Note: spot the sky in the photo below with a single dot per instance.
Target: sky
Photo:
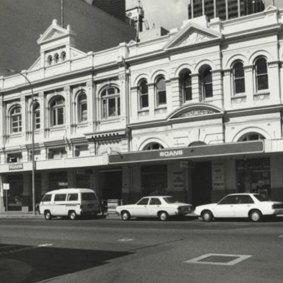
(166, 13)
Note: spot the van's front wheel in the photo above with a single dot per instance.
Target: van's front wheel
(47, 215)
(72, 215)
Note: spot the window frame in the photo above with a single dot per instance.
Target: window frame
(206, 82)
(160, 91)
(82, 102)
(16, 119)
(262, 75)
(106, 98)
(237, 79)
(56, 105)
(185, 75)
(143, 95)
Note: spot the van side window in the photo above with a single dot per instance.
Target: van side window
(72, 197)
(60, 197)
(46, 198)
(88, 196)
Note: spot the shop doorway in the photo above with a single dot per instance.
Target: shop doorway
(201, 183)
(111, 184)
(15, 194)
(154, 180)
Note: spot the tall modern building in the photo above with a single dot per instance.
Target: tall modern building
(224, 9)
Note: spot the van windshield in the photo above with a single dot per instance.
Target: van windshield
(88, 196)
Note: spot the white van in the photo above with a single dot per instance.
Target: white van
(69, 202)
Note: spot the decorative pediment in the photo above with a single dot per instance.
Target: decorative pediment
(191, 34)
(195, 110)
(55, 32)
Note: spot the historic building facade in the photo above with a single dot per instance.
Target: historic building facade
(196, 113)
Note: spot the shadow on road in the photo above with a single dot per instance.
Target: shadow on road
(27, 264)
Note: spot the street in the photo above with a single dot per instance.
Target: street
(110, 250)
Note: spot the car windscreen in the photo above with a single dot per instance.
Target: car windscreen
(88, 196)
(46, 197)
(170, 199)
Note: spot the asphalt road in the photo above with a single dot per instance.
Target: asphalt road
(104, 250)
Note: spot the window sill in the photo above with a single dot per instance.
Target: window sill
(110, 120)
(261, 96)
(57, 128)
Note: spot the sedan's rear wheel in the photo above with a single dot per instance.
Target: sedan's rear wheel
(163, 215)
(255, 215)
(206, 216)
(125, 215)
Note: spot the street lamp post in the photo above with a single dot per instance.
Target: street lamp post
(32, 138)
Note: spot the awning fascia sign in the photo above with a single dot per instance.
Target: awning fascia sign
(227, 149)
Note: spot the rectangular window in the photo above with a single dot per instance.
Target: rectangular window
(60, 197)
(262, 82)
(161, 98)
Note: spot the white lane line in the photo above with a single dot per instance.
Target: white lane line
(125, 240)
(281, 236)
(234, 259)
(45, 245)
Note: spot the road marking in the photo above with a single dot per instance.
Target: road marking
(281, 236)
(125, 240)
(219, 259)
(45, 245)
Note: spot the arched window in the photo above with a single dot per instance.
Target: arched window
(261, 74)
(252, 137)
(49, 59)
(186, 85)
(16, 119)
(160, 89)
(205, 80)
(110, 102)
(57, 108)
(56, 57)
(82, 106)
(63, 55)
(238, 77)
(153, 146)
(143, 94)
(36, 113)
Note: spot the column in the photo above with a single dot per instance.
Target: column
(195, 88)
(2, 194)
(27, 192)
(274, 81)
(24, 116)
(134, 102)
(151, 100)
(71, 178)
(176, 95)
(68, 109)
(227, 95)
(91, 105)
(217, 88)
(249, 80)
(2, 125)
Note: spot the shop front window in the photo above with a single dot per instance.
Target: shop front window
(253, 176)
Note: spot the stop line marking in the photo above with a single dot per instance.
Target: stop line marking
(6, 250)
(125, 240)
(281, 236)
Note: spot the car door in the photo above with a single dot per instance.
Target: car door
(154, 207)
(225, 207)
(140, 209)
(244, 206)
(59, 205)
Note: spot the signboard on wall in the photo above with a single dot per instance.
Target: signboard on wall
(218, 175)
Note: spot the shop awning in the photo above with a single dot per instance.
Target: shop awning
(194, 152)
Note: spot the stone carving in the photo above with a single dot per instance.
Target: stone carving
(196, 112)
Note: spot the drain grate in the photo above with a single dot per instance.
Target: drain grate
(219, 259)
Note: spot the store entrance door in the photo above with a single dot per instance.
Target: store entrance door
(111, 184)
(201, 183)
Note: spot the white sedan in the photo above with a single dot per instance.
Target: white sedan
(240, 205)
(154, 206)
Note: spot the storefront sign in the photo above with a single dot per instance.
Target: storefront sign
(170, 153)
(16, 166)
(218, 175)
(192, 152)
